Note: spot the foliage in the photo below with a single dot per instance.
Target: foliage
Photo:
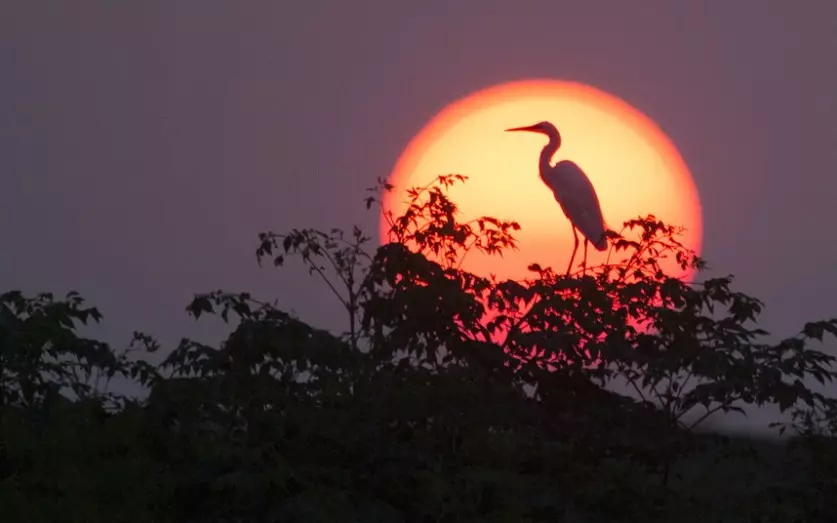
(450, 397)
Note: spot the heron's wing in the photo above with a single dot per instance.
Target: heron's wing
(578, 199)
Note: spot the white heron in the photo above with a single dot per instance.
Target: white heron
(573, 192)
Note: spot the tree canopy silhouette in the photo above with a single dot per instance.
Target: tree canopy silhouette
(449, 397)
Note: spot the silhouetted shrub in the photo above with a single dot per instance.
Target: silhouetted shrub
(450, 397)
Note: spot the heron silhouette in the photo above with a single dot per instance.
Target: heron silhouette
(573, 192)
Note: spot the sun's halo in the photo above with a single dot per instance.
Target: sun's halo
(634, 167)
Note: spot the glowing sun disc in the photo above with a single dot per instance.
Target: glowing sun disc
(633, 165)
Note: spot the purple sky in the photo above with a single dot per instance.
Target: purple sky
(143, 145)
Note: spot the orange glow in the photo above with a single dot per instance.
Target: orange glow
(634, 167)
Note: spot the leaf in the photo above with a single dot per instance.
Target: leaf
(200, 305)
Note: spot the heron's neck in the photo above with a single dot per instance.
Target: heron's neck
(545, 162)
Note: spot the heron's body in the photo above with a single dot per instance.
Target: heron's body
(572, 190)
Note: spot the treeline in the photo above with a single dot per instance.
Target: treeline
(450, 397)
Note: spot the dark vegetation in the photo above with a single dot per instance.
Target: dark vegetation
(424, 410)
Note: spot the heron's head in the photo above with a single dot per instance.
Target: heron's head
(541, 127)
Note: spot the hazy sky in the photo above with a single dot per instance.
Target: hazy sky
(143, 145)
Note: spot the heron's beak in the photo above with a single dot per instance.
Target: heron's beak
(530, 128)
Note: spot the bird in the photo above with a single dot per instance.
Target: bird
(572, 190)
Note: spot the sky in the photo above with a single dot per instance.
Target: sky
(143, 145)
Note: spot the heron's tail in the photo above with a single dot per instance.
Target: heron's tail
(601, 245)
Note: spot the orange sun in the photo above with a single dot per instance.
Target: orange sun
(634, 167)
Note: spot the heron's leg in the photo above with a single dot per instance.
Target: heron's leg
(584, 263)
(575, 249)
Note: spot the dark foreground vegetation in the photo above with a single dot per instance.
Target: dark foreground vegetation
(450, 398)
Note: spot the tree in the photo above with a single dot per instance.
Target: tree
(449, 397)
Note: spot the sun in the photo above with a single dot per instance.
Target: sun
(634, 167)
